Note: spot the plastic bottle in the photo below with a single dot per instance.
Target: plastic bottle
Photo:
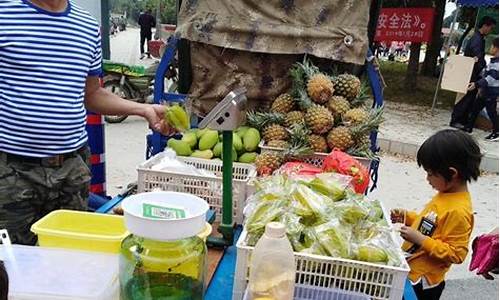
(272, 270)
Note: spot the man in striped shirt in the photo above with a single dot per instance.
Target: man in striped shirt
(50, 62)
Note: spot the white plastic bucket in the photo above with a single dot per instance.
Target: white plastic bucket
(163, 229)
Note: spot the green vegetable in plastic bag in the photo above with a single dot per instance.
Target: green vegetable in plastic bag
(293, 228)
(265, 212)
(334, 238)
(318, 204)
(351, 211)
(372, 254)
(328, 186)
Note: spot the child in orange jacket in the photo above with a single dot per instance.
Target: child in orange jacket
(438, 236)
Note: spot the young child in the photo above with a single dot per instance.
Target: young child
(488, 94)
(438, 236)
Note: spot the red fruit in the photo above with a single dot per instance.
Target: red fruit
(298, 168)
(342, 163)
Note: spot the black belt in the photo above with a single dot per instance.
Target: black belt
(51, 161)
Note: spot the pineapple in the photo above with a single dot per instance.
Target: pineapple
(319, 119)
(267, 162)
(274, 132)
(260, 120)
(355, 116)
(283, 104)
(269, 124)
(340, 138)
(294, 117)
(338, 105)
(278, 144)
(346, 138)
(347, 86)
(318, 143)
(320, 88)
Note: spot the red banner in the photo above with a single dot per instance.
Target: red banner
(405, 25)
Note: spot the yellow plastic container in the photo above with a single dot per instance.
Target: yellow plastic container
(81, 230)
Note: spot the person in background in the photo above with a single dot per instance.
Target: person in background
(488, 94)
(475, 49)
(147, 22)
(49, 78)
(438, 236)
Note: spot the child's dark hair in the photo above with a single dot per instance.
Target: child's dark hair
(494, 43)
(488, 21)
(451, 149)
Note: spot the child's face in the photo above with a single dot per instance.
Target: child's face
(437, 182)
(494, 50)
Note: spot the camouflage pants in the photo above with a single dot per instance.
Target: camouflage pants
(29, 190)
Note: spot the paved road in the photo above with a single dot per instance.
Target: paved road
(401, 182)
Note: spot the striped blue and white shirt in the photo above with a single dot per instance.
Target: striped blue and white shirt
(45, 58)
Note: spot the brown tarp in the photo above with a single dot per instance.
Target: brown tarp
(253, 43)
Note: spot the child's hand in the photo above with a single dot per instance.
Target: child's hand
(412, 235)
(398, 215)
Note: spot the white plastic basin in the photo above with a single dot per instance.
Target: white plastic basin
(138, 222)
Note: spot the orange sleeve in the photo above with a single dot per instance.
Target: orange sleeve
(452, 245)
(410, 217)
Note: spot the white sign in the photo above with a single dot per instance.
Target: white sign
(92, 6)
(457, 72)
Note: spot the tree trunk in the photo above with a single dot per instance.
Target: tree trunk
(434, 47)
(462, 38)
(412, 71)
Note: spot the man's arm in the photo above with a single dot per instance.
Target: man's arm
(102, 101)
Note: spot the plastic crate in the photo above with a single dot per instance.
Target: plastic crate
(306, 292)
(379, 282)
(317, 158)
(208, 188)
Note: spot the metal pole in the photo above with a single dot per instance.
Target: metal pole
(106, 53)
(448, 42)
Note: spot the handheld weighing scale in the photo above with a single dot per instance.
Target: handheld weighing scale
(226, 116)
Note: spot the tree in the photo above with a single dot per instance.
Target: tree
(413, 64)
(436, 43)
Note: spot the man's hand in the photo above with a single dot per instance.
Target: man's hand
(412, 235)
(154, 115)
(471, 86)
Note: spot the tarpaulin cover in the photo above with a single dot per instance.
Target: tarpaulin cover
(254, 43)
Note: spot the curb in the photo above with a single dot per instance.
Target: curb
(489, 163)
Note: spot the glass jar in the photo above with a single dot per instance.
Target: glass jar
(166, 270)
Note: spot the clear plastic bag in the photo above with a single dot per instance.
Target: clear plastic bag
(335, 238)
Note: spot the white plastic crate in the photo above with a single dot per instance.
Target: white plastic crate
(307, 292)
(315, 159)
(380, 282)
(208, 188)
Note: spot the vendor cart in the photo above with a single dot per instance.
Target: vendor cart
(205, 51)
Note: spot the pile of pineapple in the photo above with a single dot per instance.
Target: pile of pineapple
(321, 113)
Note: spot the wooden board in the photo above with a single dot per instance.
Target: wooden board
(457, 72)
(214, 257)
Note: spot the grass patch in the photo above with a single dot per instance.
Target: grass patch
(394, 76)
